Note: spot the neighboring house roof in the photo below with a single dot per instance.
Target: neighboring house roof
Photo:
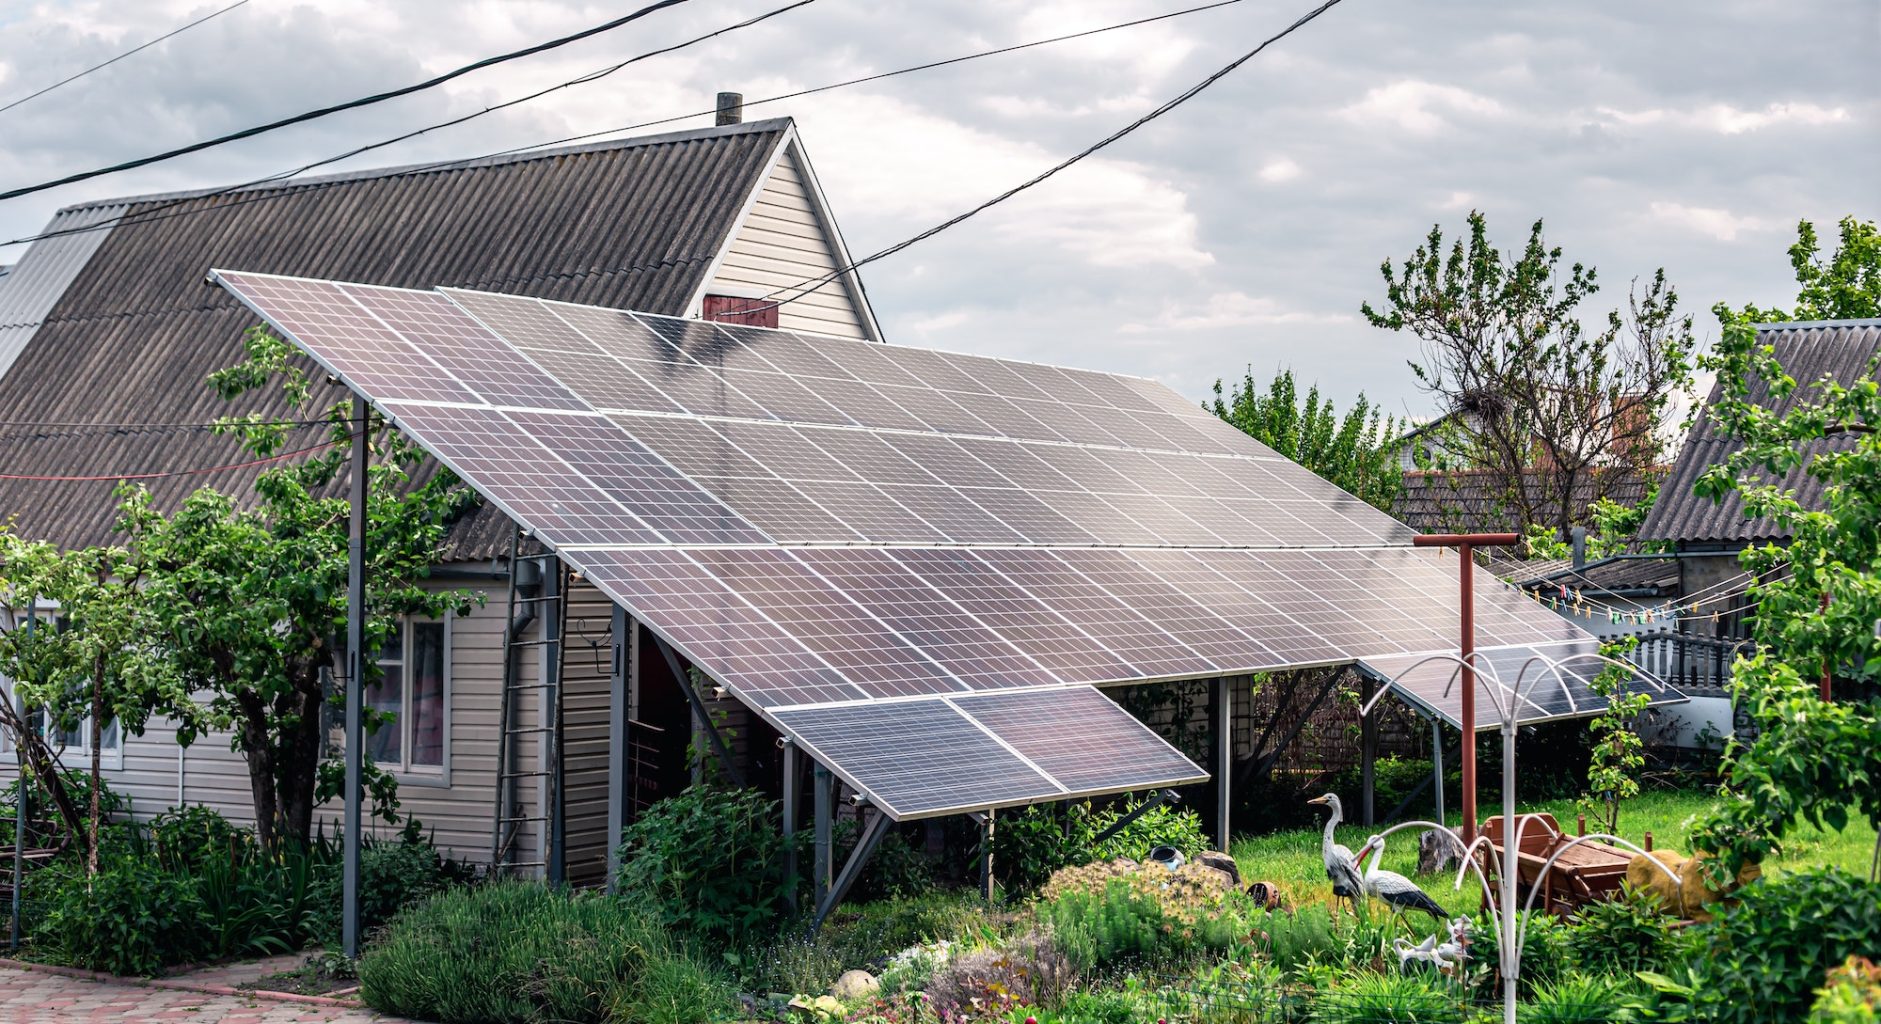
(1474, 500)
(116, 325)
(1808, 352)
(1610, 577)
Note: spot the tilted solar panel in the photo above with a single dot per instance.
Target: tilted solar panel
(914, 562)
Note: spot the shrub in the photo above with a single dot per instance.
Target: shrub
(710, 862)
(1367, 997)
(1108, 913)
(393, 874)
(512, 952)
(133, 917)
(868, 934)
(1031, 844)
(185, 838)
(1227, 993)
(913, 968)
(1577, 999)
(1292, 939)
(1852, 996)
(989, 983)
(795, 964)
(1770, 952)
(258, 902)
(1630, 932)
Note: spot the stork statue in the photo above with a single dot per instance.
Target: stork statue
(1341, 867)
(1395, 889)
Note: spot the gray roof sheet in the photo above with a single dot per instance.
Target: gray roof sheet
(1809, 352)
(1475, 500)
(128, 331)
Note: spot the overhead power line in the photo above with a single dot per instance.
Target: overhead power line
(364, 101)
(168, 210)
(134, 50)
(808, 287)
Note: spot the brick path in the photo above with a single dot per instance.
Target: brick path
(33, 997)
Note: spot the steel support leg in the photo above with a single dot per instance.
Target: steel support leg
(820, 796)
(1224, 761)
(791, 772)
(986, 856)
(619, 746)
(1436, 764)
(1368, 756)
(866, 843)
(355, 681)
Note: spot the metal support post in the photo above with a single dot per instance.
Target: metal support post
(1368, 757)
(791, 773)
(986, 856)
(619, 746)
(820, 796)
(355, 680)
(20, 813)
(555, 859)
(1224, 761)
(1436, 764)
(866, 843)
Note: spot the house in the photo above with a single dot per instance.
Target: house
(107, 332)
(1705, 537)
(1478, 500)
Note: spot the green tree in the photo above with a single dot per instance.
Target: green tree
(86, 662)
(1847, 287)
(1818, 596)
(1552, 411)
(1356, 451)
(249, 598)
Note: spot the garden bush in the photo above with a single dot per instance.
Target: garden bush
(1770, 953)
(1031, 844)
(1290, 939)
(1852, 995)
(132, 918)
(1628, 933)
(186, 837)
(1577, 999)
(519, 952)
(1108, 913)
(988, 984)
(258, 902)
(709, 861)
(393, 874)
(865, 936)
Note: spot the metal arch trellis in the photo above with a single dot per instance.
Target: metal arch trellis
(1511, 924)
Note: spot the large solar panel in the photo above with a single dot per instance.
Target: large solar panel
(915, 563)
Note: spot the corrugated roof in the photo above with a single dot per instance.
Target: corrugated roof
(132, 332)
(1808, 351)
(45, 271)
(1476, 500)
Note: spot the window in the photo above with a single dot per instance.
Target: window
(73, 746)
(413, 689)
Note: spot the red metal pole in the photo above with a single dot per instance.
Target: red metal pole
(1466, 649)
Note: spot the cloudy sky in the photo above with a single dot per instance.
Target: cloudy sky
(1242, 230)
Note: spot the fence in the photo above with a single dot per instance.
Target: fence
(1700, 666)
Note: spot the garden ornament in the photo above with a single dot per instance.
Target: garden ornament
(1341, 868)
(1511, 922)
(1400, 892)
(1167, 856)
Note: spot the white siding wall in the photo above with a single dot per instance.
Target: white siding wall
(781, 243)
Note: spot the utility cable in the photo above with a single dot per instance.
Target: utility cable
(164, 211)
(134, 50)
(1181, 98)
(364, 101)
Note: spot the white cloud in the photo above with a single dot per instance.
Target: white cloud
(1279, 171)
(1230, 309)
(1458, 200)
(1725, 119)
(1421, 108)
(1720, 224)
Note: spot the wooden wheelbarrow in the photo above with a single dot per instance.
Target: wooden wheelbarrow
(1585, 873)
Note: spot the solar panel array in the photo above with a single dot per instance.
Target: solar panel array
(1543, 682)
(869, 544)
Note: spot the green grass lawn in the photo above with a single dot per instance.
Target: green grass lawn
(1291, 859)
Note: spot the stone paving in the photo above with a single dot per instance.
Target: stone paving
(33, 997)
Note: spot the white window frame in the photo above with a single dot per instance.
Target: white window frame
(404, 771)
(75, 757)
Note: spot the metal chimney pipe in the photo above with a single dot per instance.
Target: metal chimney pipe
(1580, 547)
(731, 108)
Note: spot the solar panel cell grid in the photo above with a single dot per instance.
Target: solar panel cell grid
(868, 456)
(925, 617)
(464, 348)
(784, 397)
(1081, 738)
(717, 629)
(603, 381)
(1198, 628)
(692, 446)
(954, 514)
(870, 511)
(936, 410)
(348, 339)
(947, 461)
(864, 403)
(782, 511)
(1121, 629)
(1035, 521)
(785, 451)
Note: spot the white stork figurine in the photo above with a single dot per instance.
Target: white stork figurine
(1341, 867)
(1395, 889)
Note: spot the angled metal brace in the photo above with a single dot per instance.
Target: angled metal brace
(684, 679)
(1259, 767)
(1167, 796)
(852, 868)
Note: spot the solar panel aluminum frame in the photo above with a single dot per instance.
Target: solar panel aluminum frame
(1489, 717)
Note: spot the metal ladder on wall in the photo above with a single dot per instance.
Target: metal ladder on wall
(511, 821)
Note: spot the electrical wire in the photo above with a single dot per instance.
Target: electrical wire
(134, 50)
(169, 473)
(364, 101)
(163, 211)
(1181, 98)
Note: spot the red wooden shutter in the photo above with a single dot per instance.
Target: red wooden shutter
(732, 310)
